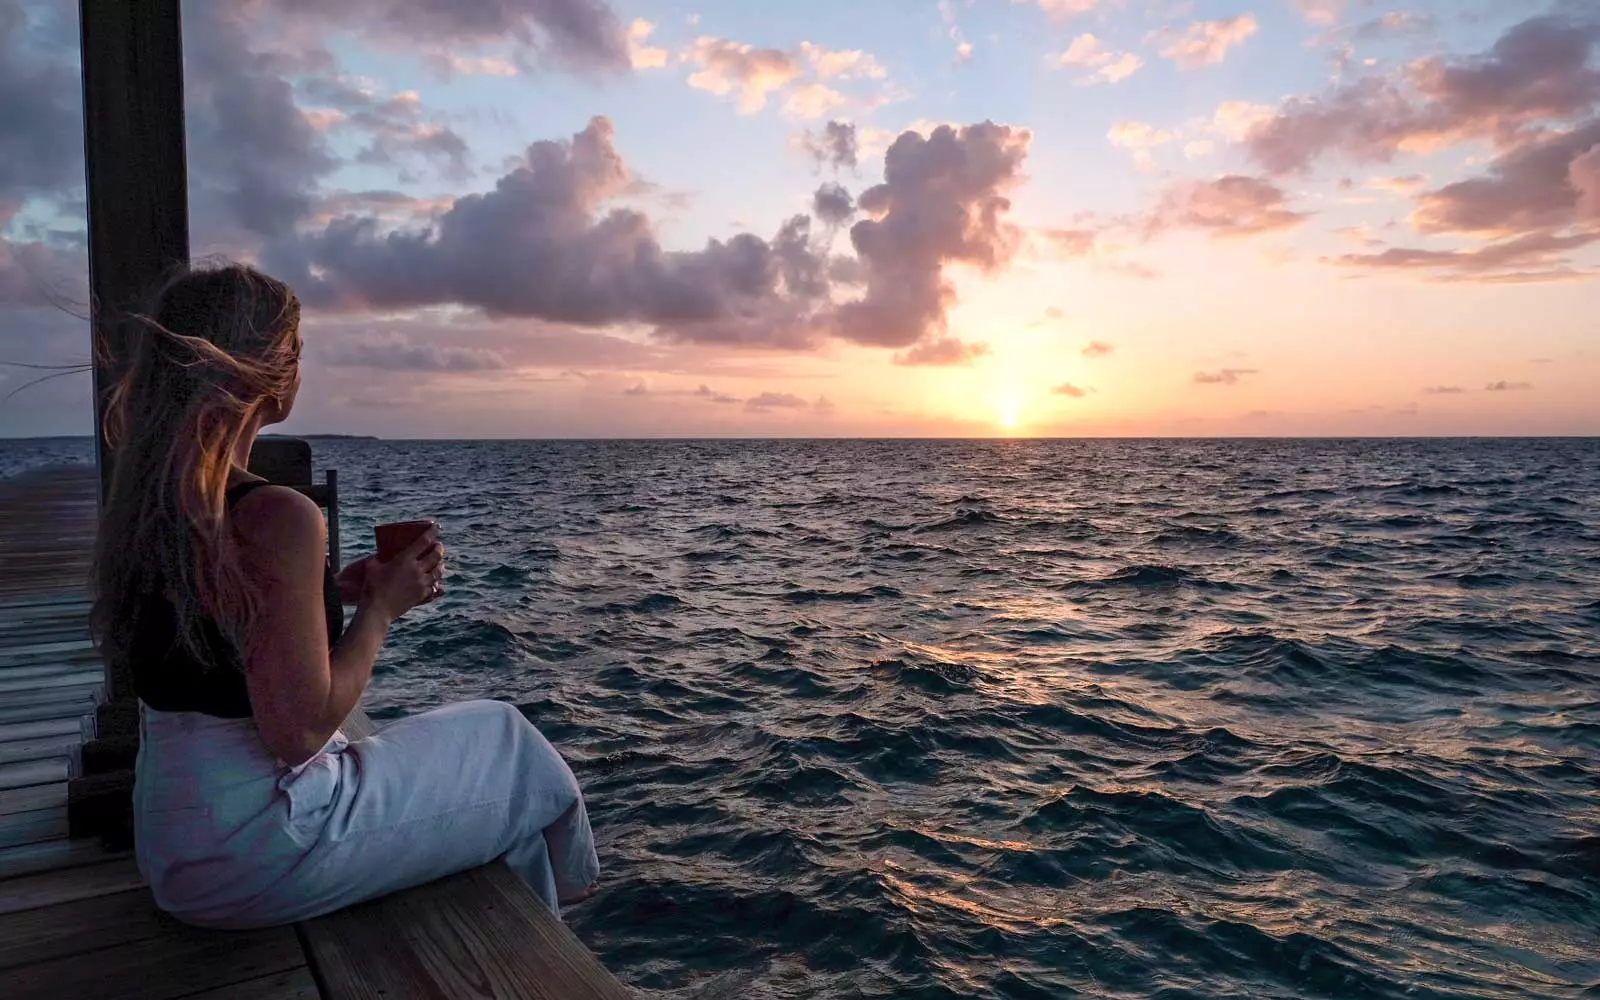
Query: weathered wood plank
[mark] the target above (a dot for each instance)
(83, 925)
(10, 732)
(65, 647)
(30, 797)
(51, 888)
(18, 829)
(87, 695)
(48, 687)
(53, 855)
(38, 749)
(71, 706)
(480, 934)
(12, 675)
(34, 772)
(176, 964)
(296, 984)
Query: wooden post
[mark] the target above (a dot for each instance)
(138, 204)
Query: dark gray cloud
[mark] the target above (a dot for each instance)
(1230, 206)
(1227, 376)
(537, 245)
(1508, 386)
(1539, 70)
(1532, 187)
(41, 116)
(394, 352)
(836, 146)
(943, 352)
(776, 401)
(583, 35)
(832, 204)
(942, 202)
(255, 160)
(545, 243)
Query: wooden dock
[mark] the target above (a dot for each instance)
(76, 920)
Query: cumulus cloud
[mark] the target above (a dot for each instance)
(1508, 386)
(832, 204)
(776, 401)
(942, 203)
(1108, 66)
(1206, 43)
(547, 242)
(1139, 138)
(726, 66)
(1229, 206)
(944, 352)
(837, 145)
(757, 74)
(538, 245)
(1069, 389)
(641, 54)
(1097, 349)
(1539, 70)
(1227, 376)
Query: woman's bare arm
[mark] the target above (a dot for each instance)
(299, 692)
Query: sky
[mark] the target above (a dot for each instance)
(639, 218)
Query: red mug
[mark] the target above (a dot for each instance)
(395, 537)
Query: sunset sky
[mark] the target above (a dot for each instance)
(573, 218)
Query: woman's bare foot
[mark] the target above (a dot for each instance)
(593, 888)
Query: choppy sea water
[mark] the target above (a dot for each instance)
(1028, 719)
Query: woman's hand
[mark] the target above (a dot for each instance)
(352, 580)
(411, 578)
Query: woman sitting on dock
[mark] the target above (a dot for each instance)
(251, 808)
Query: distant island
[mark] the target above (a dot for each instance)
(325, 437)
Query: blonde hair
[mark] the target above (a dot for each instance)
(214, 345)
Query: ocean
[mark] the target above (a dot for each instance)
(1037, 719)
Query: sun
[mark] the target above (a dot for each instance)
(1009, 404)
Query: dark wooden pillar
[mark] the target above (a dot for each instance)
(138, 201)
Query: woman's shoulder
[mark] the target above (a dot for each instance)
(268, 516)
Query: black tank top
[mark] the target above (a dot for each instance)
(169, 678)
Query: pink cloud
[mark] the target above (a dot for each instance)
(1533, 258)
(1231, 206)
(1097, 349)
(1206, 43)
(1108, 65)
(1227, 376)
(945, 352)
(1070, 390)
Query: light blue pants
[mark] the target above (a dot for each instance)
(229, 836)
